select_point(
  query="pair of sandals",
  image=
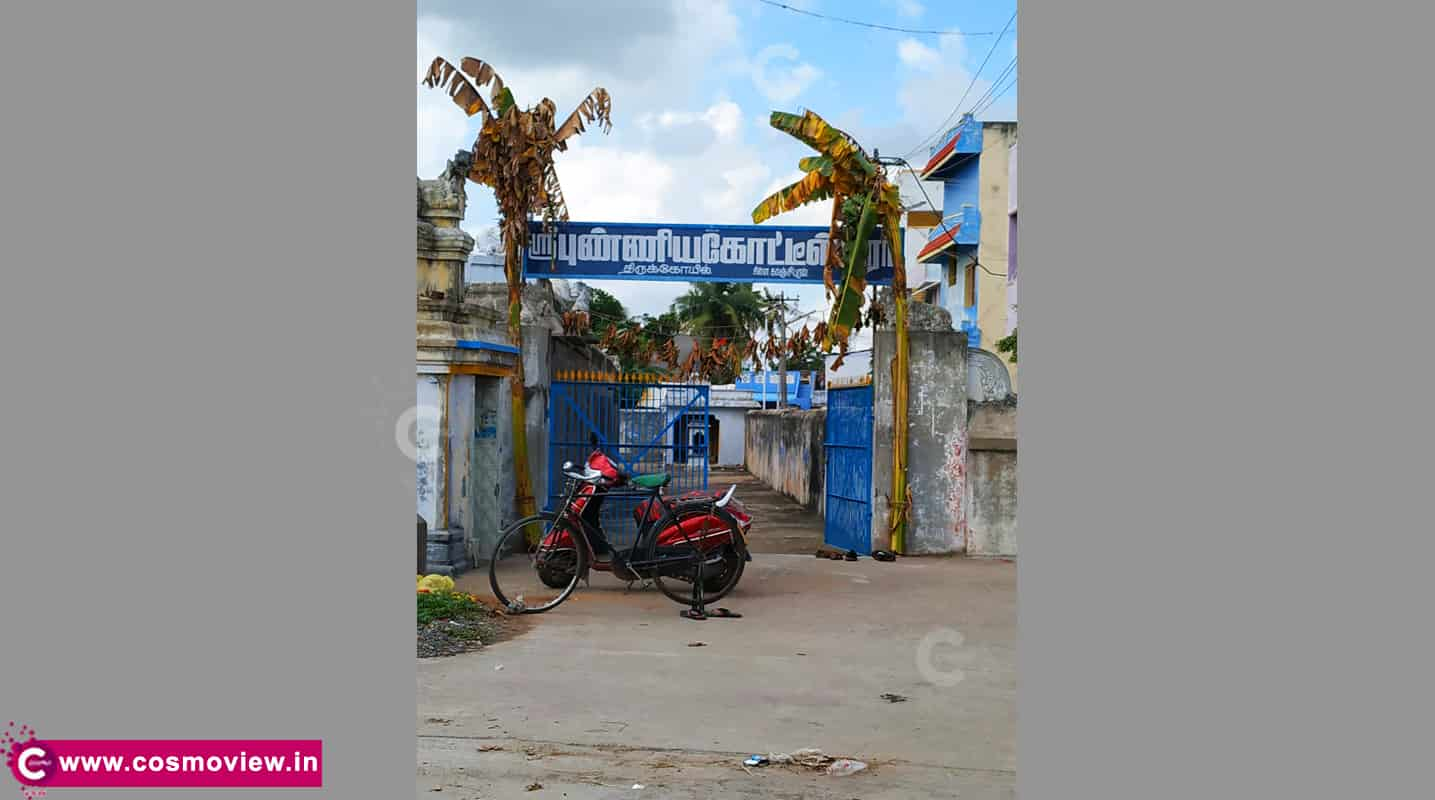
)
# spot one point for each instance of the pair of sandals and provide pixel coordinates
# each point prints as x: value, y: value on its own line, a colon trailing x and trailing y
x: 851, y: 555
x: 700, y: 614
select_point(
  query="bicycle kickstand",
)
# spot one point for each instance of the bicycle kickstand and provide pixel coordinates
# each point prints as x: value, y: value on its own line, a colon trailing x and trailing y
x: 699, y: 612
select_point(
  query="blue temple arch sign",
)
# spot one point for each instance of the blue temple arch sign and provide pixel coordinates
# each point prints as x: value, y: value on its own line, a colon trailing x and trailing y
x: 690, y: 253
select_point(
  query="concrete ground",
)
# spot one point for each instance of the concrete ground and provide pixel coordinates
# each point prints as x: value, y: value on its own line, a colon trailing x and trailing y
x: 605, y: 692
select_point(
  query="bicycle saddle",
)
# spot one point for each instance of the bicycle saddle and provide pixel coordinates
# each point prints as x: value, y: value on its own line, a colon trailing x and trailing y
x: 655, y: 480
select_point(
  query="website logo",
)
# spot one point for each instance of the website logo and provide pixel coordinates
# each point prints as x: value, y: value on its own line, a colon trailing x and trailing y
x: 31, y: 761
x: 160, y: 763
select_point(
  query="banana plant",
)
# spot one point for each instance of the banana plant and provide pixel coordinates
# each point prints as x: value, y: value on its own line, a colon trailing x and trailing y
x: 861, y: 197
x: 513, y: 155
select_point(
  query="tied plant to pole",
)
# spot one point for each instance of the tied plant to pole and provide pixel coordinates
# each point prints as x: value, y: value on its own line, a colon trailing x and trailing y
x: 862, y: 198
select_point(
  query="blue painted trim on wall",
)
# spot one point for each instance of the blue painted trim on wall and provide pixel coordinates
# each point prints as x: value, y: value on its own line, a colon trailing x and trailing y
x: 474, y: 344
x: 974, y: 333
x: 970, y: 220
x: 968, y: 134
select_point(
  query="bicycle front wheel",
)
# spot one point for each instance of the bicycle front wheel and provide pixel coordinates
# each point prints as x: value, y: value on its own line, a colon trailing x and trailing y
x: 537, y: 564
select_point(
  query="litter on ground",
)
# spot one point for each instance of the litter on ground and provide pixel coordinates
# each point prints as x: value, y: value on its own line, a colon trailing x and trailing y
x: 813, y: 759
x: 845, y: 766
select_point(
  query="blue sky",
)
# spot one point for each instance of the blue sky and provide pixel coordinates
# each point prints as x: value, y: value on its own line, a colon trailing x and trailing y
x: 693, y: 82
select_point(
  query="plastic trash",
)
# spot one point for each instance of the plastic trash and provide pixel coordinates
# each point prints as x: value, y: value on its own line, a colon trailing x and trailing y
x: 843, y: 767
x: 436, y: 583
x: 806, y: 757
x: 756, y: 761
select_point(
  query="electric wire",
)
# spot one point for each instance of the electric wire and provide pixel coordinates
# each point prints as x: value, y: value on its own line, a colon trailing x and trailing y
x: 927, y: 141
x: 874, y: 25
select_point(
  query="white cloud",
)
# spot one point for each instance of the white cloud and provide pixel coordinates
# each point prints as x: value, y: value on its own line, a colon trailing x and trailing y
x: 604, y: 184
x: 681, y: 149
x: 907, y: 8
x: 916, y: 55
x: 724, y: 118
x: 777, y: 83
x: 742, y: 190
x: 927, y: 96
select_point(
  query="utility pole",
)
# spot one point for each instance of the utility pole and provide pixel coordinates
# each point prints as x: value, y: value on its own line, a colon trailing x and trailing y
x: 780, y: 302
x: 782, y: 358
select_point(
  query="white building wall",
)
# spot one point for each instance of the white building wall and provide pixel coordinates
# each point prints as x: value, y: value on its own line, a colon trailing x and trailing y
x: 731, y: 434
x: 483, y: 269
x: 857, y: 364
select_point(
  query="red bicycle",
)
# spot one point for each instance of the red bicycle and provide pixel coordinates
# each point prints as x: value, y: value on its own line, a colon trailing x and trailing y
x: 693, y: 547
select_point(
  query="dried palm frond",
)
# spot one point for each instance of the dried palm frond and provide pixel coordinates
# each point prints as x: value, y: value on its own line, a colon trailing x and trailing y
x: 465, y: 94
x: 575, y: 323
x: 596, y: 106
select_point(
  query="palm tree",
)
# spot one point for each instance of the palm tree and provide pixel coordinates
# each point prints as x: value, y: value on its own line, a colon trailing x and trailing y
x: 861, y: 195
x: 513, y: 155
x: 715, y: 310
x: 725, y: 316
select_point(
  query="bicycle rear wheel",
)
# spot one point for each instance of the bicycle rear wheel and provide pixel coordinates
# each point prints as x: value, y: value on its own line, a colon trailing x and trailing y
x: 722, y: 564
x: 537, y: 564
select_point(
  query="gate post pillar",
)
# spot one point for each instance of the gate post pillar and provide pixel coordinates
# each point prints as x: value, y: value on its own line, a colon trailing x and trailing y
x: 936, y: 440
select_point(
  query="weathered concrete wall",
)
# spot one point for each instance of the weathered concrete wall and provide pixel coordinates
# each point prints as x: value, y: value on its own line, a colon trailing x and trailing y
x: 937, y: 441
x: 784, y: 450
x: 993, y: 426
x: 459, y: 454
x: 991, y: 475
x: 426, y: 441
x: 491, y: 486
x: 537, y: 366
x: 574, y: 353
x: 992, y: 521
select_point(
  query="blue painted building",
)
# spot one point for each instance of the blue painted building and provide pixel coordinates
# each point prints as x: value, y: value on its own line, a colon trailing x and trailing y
x: 966, y: 260
x: 765, y: 388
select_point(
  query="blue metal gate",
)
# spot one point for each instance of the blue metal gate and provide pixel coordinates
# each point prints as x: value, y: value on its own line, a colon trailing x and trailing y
x: 645, y: 426
x: 848, y: 482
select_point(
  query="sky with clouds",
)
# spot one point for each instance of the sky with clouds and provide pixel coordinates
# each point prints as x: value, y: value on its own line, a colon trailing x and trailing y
x: 693, y: 82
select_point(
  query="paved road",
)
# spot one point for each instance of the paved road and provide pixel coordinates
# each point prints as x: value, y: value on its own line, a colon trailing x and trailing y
x: 604, y: 692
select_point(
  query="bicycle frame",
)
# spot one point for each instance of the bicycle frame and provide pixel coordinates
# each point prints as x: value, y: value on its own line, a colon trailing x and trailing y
x: 649, y: 529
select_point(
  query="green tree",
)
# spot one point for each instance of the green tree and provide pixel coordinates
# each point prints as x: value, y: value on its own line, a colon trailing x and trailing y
x: 605, y: 311
x: 721, y: 310
x: 1007, y: 344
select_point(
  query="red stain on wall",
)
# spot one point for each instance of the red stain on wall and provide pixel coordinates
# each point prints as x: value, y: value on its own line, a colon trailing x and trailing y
x: 956, y: 489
